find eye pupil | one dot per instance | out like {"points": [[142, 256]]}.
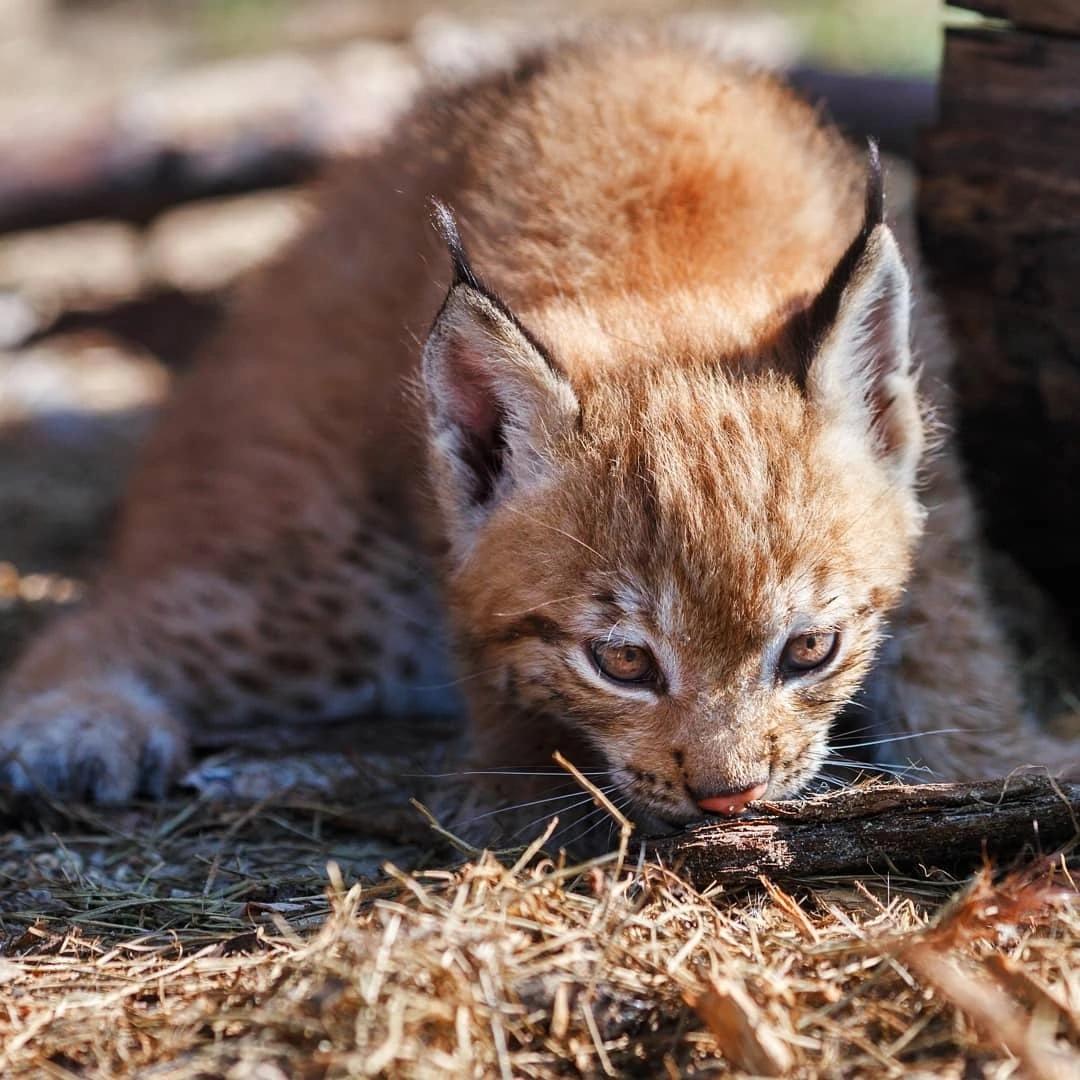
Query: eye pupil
{"points": [[805, 652], [624, 663]]}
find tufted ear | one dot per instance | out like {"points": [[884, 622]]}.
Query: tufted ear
{"points": [[860, 368], [496, 401]]}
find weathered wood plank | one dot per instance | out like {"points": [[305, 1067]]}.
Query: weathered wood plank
{"points": [[102, 174], [999, 209], [1031, 71], [1058, 16], [951, 827]]}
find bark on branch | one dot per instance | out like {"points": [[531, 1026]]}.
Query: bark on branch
{"points": [[883, 829]]}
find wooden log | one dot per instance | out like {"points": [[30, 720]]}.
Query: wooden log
{"points": [[882, 829], [1058, 16], [227, 128], [104, 173], [170, 324], [999, 209]]}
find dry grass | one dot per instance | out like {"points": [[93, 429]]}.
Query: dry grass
{"points": [[204, 940]]}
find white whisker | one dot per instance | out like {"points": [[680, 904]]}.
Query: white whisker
{"points": [[556, 529], [537, 607], [899, 738], [453, 682], [889, 770], [575, 794], [525, 770], [547, 815], [596, 824]]}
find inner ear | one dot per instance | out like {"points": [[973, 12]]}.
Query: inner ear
{"points": [[497, 409], [497, 402], [472, 405], [862, 361]]}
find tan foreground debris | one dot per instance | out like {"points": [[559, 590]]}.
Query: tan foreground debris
{"points": [[520, 965], [742, 1033]]}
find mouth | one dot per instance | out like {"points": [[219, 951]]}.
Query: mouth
{"points": [[733, 803], [654, 820], [655, 815]]}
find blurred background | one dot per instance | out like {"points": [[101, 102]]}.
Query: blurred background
{"points": [[152, 151]]}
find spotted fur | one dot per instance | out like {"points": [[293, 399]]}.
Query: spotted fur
{"points": [[668, 395]]}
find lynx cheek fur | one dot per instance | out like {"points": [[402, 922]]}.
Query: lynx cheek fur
{"points": [[668, 414]]}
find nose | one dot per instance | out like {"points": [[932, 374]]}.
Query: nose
{"points": [[732, 803]]}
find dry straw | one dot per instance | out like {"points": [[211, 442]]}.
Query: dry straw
{"points": [[201, 940]]}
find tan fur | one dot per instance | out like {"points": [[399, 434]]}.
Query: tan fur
{"points": [[652, 219]]}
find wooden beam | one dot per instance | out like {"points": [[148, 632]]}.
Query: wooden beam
{"points": [[999, 210], [1057, 16]]}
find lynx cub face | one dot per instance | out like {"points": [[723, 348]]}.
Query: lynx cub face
{"points": [[680, 568]]}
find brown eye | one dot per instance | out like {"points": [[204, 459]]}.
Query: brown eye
{"points": [[624, 663], [804, 652]]}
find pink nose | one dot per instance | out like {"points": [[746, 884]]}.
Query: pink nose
{"points": [[734, 802]]}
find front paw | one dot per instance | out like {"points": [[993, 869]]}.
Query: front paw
{"points": [[99, 742]]}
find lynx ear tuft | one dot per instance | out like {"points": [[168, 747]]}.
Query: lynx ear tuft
{"points": [[445, 224], [496, 401], [874, 212], [860, 368]]}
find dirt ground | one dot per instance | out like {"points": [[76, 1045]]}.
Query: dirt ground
{"points": [[302, 918]]}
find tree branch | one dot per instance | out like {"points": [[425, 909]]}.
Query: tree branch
{"points": [[880, 829]]}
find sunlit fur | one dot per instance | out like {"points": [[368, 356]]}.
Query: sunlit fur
{"points": [[708, 516], [676, 468]]}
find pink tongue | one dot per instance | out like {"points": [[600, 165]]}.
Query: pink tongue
{"points": [[734, 803]]}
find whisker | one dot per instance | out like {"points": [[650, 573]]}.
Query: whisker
{"points": [[537, 607], [569, 842], [556, 529], [898, 771], [525, 805], [586, 797], [532, 771], [596, 824], [453, 682], [862, 728], [900, 738], [833, 781], [600, 813], [836, 759]]}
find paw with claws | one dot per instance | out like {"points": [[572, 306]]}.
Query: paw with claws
{"points": [[103, 742]]}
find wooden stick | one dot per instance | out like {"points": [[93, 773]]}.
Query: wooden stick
{"points": [[883, 829]]}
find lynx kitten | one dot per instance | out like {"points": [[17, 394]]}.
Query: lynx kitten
{"points": [[659, 462]]}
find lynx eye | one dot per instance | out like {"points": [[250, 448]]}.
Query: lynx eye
{"points": [[624, 663], [805, 652]]}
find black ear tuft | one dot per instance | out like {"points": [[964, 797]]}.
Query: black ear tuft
{"points": [[445, 224], [815, 323], [875, 189]]}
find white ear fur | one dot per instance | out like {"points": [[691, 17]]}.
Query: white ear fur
{"points": [[862, 373], [495, 405]]}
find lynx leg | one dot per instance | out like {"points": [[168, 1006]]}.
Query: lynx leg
{"points": [[265, 646]]}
